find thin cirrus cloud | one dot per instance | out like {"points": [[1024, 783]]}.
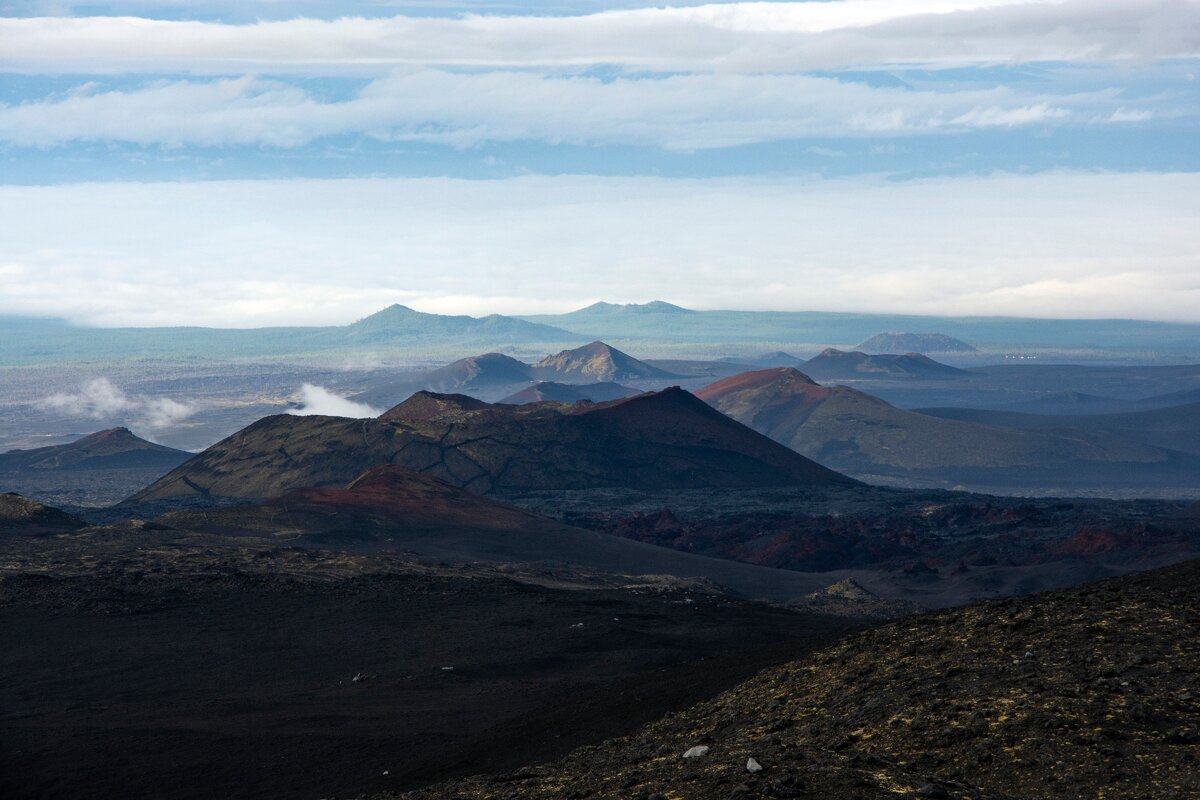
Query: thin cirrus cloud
{"points": [[682, 112], [750, 37]]}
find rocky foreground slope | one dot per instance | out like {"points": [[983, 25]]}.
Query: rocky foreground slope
{"points": [[1085, 692]]}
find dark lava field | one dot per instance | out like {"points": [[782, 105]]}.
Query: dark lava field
{"points": [[644, 597], [203, 680]]}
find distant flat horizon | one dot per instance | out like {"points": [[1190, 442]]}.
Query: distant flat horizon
{"points": [[649, 306]]}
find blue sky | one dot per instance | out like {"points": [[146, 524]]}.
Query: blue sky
{"points": [[856, 99]]}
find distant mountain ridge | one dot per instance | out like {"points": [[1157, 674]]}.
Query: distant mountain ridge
{"points": [[405, 332], [596, 362], [496, 376], [859, 434], [663, 322], [834, 363], [1173, 427], [397, 320], [654, 307], [396, 328]]}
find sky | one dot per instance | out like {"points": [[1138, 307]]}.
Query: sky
{"points": [[290, 162]]}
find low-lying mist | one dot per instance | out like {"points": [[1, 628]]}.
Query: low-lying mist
{"points": [[316, 399]]}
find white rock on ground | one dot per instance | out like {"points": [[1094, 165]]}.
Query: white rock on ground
{"points": [[696, 752]]}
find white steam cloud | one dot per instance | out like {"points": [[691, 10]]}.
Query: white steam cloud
{"points": [[319, 400], [100, 399]]}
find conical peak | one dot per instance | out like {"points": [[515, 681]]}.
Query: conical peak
{"points": [[426, 406], [775, 379]]}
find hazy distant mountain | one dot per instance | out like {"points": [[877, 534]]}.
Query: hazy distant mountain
{"points": [[398, 328], [901, 343], [853, 432], [595, 362], [663, 322], [840, 364], [1072, 399], [117, 448], [415, 334], [486, 371], [549, 391], [1174, 428], [1179, 398], [1064, 388], [779, 359], [668, 439], [602, 310], [398, 321]]}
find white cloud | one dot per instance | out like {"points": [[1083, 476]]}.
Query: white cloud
{"points": [[163, 412], [330, 252], [683, 112], [808, 17], [726, 37], [737, 15], [1130, 115], [995, 117], [96, 399], [100, 399], [319, 400], [826, 152]]}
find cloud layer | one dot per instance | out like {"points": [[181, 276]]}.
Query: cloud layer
{"points": [[728, 37], [298, 252], [682, 112]]}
